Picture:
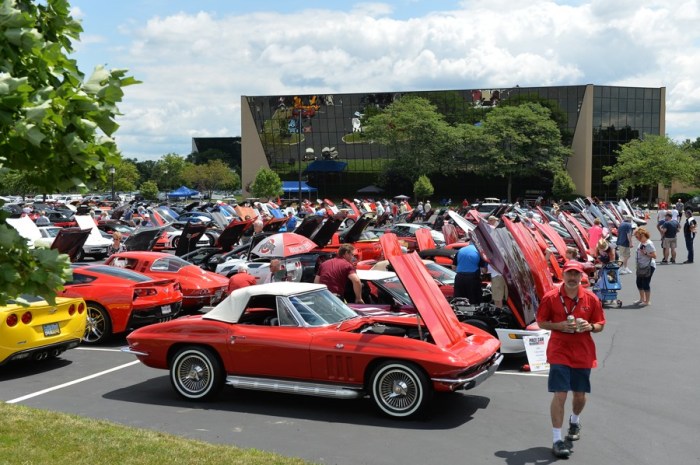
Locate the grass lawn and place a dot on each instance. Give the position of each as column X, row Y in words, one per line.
column 36, row 437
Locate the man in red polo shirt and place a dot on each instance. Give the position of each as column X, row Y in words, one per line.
column 571, row 350
column 336, row 272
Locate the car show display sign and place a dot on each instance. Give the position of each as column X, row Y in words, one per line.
column 536, row 351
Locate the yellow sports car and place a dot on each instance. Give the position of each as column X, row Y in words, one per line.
column 41, row 330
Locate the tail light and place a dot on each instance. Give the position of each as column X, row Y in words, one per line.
column 71, row 310
column 12, row 320
column 144, row 292
column 81, row 308
column 27, row 318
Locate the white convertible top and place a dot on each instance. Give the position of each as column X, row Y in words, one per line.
column 231, row 308
column 373, row 275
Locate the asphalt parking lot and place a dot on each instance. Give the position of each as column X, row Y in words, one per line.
column 643, row 409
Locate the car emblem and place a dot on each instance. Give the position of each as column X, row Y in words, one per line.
column 53, row 310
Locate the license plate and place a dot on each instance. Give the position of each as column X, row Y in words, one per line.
column 165, row 310
column 51, row 329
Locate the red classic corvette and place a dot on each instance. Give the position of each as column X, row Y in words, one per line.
column 199, row 287
column 299, row 338
column 119, row 299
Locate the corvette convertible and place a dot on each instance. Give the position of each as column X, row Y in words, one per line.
column 299, row 338
column 40, row 330
column 118, row 299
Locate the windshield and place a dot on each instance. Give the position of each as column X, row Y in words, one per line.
column 440, row 273
column 320, row 308
column 169, row 264
column 394, row 287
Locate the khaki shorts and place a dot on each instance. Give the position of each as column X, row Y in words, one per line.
column 669, row 243
column 625, row 252
column 499, row 290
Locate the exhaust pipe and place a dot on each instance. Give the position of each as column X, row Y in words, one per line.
column 55, row 352
column 41, row 356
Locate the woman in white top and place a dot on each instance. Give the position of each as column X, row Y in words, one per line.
column 646, row 265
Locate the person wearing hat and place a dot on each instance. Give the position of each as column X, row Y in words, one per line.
column 689, row 229
column 571, row 350
column 669, row 231
column 624, row 242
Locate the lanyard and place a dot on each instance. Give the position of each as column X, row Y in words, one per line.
column 566, row 310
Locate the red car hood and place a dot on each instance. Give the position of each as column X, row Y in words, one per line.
column 70, row 241
column 431, row 304
column 424, row 239
column 232, row 234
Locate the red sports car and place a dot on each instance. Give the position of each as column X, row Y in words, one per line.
column 299, row 338
column 199, row 287
column 119, row 299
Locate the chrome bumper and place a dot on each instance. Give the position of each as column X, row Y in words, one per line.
column 129, row 350
column 472, row 381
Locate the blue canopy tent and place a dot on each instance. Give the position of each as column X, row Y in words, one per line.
column 291, row 187
column 183, row 191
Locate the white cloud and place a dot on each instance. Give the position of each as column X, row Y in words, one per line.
column 195, row 67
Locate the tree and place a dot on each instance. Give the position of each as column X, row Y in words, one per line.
column 169, row 170
column 649, row 162
column 523, row 141
column 423, row 188
column 415, row 133
column 563, row 186
column 49, row 119
column 214, row 175
column 149, row 190
column 266, row 184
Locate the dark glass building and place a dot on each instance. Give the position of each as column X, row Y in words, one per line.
column 320, row 136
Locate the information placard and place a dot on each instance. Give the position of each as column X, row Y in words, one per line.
column 536, row 350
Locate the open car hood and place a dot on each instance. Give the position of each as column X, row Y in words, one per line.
column 424, row 239
column 353, row 234
column 353, row 206
column 191, row 233
column 427, row 298
column 232, row 234
column 308, row 225
column 506, row 256
column 70, row 240
column 144, row 238
column 578, row 240
column 274, row 224
column 324, row 234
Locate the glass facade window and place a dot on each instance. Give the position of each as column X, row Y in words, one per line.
column 323, row 134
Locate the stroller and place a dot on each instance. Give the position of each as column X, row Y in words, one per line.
column 607, row 284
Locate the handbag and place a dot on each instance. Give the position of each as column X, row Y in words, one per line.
column 643, row 271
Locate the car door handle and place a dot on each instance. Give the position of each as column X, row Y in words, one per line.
column 232, row 339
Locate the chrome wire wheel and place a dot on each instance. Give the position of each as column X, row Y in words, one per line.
column 400, row 389
column 196, row 373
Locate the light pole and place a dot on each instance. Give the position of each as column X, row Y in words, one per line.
column 165, row 186
column 299, row 153
column 111, row 172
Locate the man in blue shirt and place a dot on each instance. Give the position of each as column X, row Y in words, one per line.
column 291, row 224
column 624, row 242
column 469, row 264
column 668, row 242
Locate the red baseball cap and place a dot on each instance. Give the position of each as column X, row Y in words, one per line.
column 573, row 265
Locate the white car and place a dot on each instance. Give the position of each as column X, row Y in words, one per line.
column 95, row 246
column 260, row 268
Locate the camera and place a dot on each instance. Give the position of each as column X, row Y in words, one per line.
column 642, row 247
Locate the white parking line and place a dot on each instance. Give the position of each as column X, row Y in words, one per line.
column 70, row 383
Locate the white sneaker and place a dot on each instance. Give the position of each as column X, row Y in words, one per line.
column 625, row 271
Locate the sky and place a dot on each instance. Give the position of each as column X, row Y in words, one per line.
column 196, row 58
